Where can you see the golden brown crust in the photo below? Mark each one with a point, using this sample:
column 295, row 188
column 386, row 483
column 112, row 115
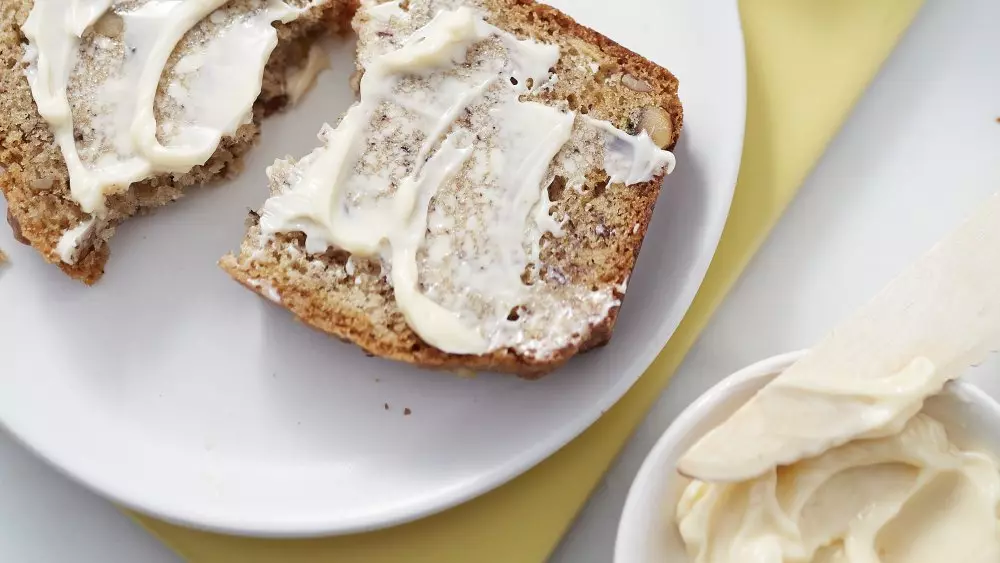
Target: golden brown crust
column 349, row 325
column 604, row 233
column 35, row 182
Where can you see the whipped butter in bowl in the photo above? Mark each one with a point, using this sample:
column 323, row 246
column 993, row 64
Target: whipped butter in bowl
column 902, row 471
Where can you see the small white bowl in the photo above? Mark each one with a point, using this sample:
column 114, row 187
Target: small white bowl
column 647, row 532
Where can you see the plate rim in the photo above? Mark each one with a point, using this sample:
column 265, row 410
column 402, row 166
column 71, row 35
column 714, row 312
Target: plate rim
column 498, row 475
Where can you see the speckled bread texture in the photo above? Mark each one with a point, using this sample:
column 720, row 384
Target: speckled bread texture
column 36, row 183
column 604, row 231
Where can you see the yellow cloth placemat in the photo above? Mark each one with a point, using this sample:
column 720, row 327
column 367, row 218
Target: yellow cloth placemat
column 807, row 63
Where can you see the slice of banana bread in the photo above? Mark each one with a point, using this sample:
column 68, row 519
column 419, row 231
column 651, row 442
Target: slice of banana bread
column 580, row 240
column 35, row 178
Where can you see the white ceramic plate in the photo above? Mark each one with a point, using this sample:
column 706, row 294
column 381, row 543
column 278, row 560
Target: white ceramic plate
column 172, row 390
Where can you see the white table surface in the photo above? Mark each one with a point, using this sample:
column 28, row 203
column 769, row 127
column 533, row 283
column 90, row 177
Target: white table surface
column 918, row 153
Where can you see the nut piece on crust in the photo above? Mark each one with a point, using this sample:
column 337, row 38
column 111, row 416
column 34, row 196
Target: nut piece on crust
column 656, row 121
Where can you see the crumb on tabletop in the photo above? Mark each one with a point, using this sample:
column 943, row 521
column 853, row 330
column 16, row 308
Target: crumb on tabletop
column 407, row 411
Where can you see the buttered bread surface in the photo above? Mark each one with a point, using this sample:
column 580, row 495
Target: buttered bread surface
column 483, row 203
column 114, row 107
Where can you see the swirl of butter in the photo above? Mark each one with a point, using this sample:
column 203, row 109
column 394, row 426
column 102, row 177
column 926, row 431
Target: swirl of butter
column 908, row 497
column 793, row 418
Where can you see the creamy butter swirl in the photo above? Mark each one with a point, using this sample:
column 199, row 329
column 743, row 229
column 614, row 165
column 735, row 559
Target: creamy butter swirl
column 910, row 497
column 795, row 418
column 845, row 470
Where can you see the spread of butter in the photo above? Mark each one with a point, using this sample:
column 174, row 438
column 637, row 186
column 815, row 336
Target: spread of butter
column 135, row 88
column 792, row 418
column 898, row 491
column 71, row 241
column 910, row 497
column 440, row 171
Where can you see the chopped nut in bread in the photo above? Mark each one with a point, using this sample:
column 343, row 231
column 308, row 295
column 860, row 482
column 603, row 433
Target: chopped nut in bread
column 657, row 123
